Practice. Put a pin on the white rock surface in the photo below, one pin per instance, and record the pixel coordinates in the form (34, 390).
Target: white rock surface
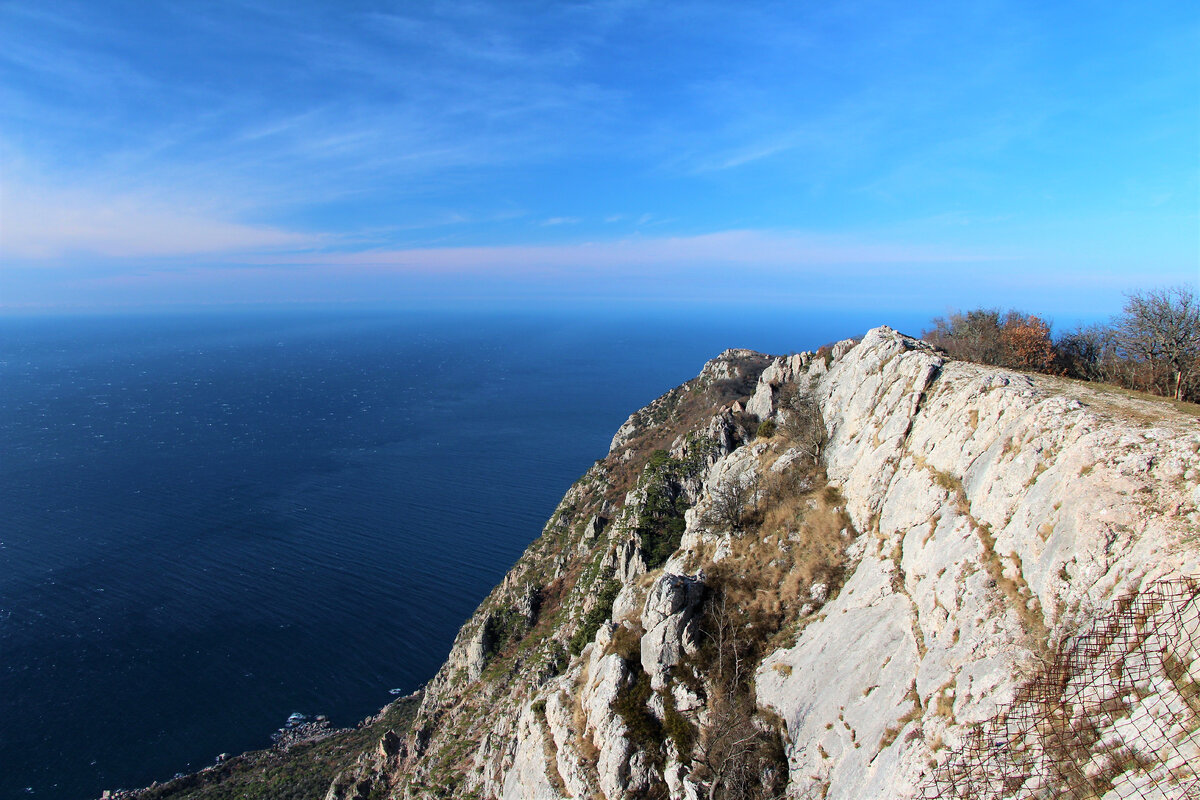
(996, 510)
(668, 619)
(526, 779)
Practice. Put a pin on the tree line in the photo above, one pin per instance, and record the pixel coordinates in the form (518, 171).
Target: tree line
(1153, 345)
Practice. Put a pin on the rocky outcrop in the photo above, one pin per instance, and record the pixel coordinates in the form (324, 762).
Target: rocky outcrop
(1001, 509)
(707, 610)
(669, 620)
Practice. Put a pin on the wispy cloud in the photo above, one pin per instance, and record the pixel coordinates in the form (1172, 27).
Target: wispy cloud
(40, 225)
(758, 251)
(404, 139)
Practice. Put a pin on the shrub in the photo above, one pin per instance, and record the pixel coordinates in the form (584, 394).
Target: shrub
(627, 642)
(596, 617)
(1161, 330)
(677, 727)
(766, 429)
(630, 704)
(660, 522)
(803, 423)
(500, 628)
(1153, 345)
(1026, 343)
(730, 501)
(557, 660)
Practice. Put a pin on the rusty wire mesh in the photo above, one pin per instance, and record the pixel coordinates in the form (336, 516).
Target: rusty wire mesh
(1114, 714)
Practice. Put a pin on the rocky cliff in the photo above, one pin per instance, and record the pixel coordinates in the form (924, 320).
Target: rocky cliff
(811, 576)
(836, 575)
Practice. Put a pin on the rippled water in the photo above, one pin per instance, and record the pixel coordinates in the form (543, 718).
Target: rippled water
(208, 523)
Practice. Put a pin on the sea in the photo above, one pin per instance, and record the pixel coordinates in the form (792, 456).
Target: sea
(210, 521)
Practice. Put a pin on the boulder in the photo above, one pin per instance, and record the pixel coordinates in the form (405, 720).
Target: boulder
(669, 618)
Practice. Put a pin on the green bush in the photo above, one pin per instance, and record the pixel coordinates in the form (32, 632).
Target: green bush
(660, 523)
(500, 629)
(630, 704)
(766, 429)
(600, 612)
(677, 727)
(557, 659)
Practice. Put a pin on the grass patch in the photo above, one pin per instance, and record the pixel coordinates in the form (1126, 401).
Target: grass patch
(1182, 406)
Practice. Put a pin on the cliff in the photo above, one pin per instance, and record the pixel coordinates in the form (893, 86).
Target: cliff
(824, 575)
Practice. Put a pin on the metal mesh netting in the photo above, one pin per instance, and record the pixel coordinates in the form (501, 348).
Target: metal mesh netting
(1114, 714)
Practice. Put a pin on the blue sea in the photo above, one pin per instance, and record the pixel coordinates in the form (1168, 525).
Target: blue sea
(211, 521)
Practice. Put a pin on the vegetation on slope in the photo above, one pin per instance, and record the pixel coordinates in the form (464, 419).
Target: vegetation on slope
(1152, 346)
(301, 772)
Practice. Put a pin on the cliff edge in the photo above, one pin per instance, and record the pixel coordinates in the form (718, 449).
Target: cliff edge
(839, 575)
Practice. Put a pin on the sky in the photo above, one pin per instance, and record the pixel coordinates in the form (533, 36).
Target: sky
(859, 155)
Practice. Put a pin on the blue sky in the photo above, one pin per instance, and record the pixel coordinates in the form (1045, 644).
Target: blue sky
(808, 155)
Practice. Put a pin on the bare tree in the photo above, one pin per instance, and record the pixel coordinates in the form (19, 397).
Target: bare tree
(741, 757)
(1161, 328)
(971, 336)
(1089, 354)
(803, 424)
(731, 500)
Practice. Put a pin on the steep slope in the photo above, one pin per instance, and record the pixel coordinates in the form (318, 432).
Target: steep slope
(867, 572)
(832, 605)
(1000, 512)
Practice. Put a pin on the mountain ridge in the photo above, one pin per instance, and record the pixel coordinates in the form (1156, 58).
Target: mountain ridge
(810, 575)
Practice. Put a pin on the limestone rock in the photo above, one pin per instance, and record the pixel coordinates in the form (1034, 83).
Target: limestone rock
(987, 514)
(477, 652)
(668, 619)
(605, 728)
(527, 778)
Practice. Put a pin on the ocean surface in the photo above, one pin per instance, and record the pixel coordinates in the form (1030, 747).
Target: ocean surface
(209, 522)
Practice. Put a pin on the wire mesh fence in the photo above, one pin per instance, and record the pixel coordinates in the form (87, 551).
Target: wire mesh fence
(1113, 715)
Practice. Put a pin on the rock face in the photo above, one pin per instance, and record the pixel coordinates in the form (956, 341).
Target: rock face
(669, 621)
(852, 620)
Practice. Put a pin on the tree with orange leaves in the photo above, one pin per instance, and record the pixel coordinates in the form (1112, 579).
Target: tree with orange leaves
(1026, 342)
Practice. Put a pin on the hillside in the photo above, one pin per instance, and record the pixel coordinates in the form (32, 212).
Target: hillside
(829, 590)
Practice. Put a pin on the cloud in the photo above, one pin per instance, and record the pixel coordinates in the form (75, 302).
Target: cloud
(562, 221)
(43, 224)
(743, 249)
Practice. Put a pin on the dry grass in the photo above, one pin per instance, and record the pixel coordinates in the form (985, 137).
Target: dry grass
(1018, 593)
(1126, 405)
(772, 568)
(915, 712)
(627, 641)
(1020, 596)
(583, 743)
(550, 751)
(683, 409)
(943, 704)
